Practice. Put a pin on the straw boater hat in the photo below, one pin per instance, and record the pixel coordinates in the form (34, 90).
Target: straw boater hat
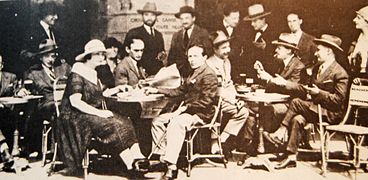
(93, 46)
(46, 46)
(286, 40)
(330, 41)
(149, 7)
(256, 11)
(220, 38)
(186, 9)
(363, 13)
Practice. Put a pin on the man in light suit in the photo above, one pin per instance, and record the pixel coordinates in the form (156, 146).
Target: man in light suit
(154, 50)
(129, 71)
(43, 75)
(231, 107)
(183, 38)
(303, 40)
(199, 96)
(329, 88)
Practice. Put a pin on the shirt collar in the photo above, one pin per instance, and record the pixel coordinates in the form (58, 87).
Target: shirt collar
(148, 29)
(45, 25)
(226, 25)
(287, 60)
(325, 65)
(190, 30)
(86, 72)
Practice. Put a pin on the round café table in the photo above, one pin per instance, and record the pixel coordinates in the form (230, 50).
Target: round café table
(262, 98)
(18, 101)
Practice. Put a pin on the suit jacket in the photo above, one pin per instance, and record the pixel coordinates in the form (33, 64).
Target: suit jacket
(198, 93)
(8, 84)
(227, 90)
(291, 72)
(307, 48)
(265, 56)
(153, 45)
(43, 84)
(333, 85)
(178, 52)
(236, 45)
(126, 73)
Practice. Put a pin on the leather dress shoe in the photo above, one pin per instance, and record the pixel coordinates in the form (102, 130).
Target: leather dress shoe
(286, 163)
(141, 165)
(170, 174)
(242, 160)
(7, 158)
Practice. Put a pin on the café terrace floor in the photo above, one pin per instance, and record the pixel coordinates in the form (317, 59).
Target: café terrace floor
(306, 169)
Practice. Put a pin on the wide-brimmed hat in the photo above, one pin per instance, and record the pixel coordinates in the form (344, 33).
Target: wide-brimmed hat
(186, 9)
(256, 11)
(46, 46)
(149, 7)
(363, 12)
(219, 37)
(93, 46)
(330, 41)
(286, 40)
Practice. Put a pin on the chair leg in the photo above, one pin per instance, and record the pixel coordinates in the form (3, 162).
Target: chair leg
(189, 152)
(85, 164)
(45, 132)
(216, 130)
(322, 137)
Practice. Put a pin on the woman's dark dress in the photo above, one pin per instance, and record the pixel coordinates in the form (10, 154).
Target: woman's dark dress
(74, 129)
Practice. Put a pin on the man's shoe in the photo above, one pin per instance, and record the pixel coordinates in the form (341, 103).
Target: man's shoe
(134, 174)
(141, 165)
(170, 174)
(242, 160)
(286, 163)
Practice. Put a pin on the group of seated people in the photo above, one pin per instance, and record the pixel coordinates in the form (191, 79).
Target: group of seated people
(97, 73)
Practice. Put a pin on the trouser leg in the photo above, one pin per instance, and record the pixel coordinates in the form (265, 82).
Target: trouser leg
(176, 134)
(237, 118)
(158, 131)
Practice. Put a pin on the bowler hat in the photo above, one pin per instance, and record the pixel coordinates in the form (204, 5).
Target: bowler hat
(256, 11)
(219, 37)
(46, 46)
(93, 46)
(149, 7)
(186, 9)
(330, 41)
(286, 40)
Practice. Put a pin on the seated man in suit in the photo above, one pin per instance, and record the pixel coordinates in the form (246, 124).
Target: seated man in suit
(289, 69)
(329, 88)
(231, 107)
(198, 94)
(129, 71)
(43, 75)
(8, 83)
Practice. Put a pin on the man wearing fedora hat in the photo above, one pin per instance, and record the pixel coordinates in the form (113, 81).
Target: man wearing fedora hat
(232, 107)
(258, 45)
(154, 50)
(42, 75)
(181, 40)
(329, 87)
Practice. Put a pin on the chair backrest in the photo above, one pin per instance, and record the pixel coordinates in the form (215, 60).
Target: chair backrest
(357, 97)
(217, 113)
(59, 88)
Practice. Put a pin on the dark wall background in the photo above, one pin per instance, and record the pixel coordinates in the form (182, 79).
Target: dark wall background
(327, 16)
